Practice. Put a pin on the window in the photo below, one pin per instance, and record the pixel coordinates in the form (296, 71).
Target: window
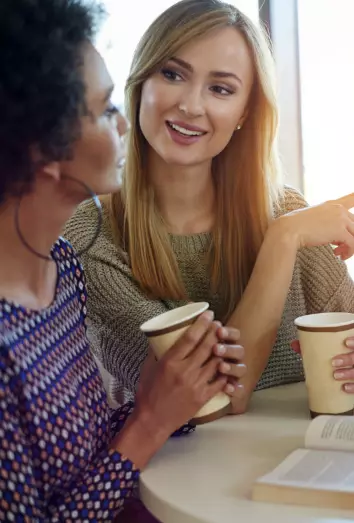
(124, 27)
(326, 54)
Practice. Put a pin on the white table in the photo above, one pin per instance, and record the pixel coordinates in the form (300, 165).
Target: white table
(207, 477)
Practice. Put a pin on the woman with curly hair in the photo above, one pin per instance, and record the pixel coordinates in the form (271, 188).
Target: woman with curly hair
(63, 457)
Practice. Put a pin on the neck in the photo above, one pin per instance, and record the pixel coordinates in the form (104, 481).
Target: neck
(26, 278)
(185, 196)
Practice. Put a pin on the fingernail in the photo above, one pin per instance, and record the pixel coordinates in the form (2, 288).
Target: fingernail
(240, 389)
(337, 363)
(223, 332)
(226, 367)
(348, 387)
(349, 343)
(339, 375)
(220, 349)
(209, 315)
(230, 388)
(241, 366)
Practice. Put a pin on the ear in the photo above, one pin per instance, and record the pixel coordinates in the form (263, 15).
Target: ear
(52, 170)
(242, 119)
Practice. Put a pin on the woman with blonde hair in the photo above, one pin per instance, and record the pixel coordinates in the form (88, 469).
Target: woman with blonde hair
(203, 213)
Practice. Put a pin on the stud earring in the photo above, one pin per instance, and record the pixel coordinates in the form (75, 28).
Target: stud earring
(238, 127)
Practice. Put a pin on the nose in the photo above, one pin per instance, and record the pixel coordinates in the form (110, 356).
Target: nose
(122, 124)
(191, 102)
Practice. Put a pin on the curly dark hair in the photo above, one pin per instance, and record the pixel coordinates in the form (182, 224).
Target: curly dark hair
(42, 93)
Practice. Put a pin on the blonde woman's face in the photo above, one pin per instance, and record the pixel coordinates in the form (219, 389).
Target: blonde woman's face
(191, 107)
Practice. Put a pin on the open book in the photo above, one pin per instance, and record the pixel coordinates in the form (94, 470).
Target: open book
(321, 474)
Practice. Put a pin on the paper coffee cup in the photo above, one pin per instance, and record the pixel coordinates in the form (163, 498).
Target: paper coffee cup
(164, 330)
(322, 336)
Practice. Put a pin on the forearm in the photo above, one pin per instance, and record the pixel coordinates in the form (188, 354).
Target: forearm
(259, 312)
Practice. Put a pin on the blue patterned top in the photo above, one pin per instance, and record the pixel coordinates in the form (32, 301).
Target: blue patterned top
(55, 425)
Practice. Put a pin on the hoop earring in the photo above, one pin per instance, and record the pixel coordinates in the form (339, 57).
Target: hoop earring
(98, 206)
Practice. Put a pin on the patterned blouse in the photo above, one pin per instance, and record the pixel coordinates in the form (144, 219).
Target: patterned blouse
(55, 426)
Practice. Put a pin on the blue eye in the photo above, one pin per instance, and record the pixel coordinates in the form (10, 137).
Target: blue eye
(171, 75)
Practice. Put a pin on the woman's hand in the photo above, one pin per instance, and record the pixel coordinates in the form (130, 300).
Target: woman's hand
(172, 390)
(232, 354)
(328, 223)
(343, 365)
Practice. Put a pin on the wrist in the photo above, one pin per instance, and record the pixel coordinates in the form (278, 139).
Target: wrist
(153, 429)
(281, 231)
(140, 438)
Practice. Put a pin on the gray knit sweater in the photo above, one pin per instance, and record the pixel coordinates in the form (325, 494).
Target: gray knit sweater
(117, 307)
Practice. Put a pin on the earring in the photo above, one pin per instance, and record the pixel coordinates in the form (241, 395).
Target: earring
(98, 206)
(238, 127)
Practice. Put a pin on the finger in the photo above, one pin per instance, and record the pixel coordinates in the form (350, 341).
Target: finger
(343, 360)
(346, 201)
(348, 387)
(344, 374)
(204, 350)
(186, 344)
(345, 250)
(341, 252)
(295, 345)
(348, 241)
(209, 372)
(349, 343)
(216, 386)
(230, 352)
(349, 238)
(234, 389)
(237, 370)
(229, 334)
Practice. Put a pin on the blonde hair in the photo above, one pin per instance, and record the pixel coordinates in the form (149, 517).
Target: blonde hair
(246, 173)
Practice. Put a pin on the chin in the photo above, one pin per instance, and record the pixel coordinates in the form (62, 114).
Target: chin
(112, 185)
(183, 161)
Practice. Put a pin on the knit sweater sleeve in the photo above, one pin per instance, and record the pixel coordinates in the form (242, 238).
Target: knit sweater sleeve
(116, 306)
(326, 283)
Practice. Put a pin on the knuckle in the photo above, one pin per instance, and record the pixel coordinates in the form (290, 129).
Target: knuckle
(190, 337)
(170, 368)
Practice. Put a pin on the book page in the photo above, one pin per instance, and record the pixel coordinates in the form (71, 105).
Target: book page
(317, 469)
(331, 432)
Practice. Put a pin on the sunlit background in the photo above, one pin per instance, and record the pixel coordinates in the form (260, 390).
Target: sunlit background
(325, 81)
(124, 28)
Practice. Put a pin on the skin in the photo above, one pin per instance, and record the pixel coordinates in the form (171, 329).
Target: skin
(183, 381)
(188, 90)
(181, 174)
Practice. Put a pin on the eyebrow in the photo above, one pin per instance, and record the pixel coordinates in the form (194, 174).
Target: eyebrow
(215, 74)
(108, 94)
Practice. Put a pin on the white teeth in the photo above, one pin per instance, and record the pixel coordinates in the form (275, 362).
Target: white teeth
(182, 130)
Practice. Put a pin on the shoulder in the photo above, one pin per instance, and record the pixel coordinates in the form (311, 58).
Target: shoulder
(63, 251)
(106, 264)
(65, 257)
(290, 200)
(82, 225)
